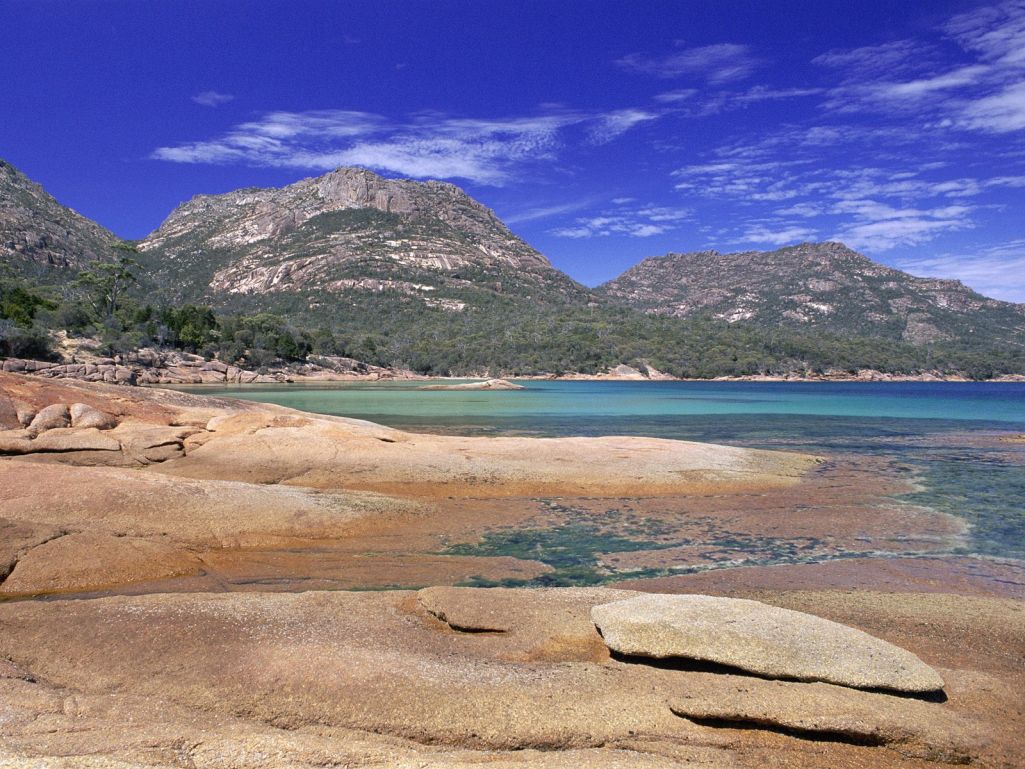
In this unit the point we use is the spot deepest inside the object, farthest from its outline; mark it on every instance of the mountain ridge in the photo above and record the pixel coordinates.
(39, 234)
(823, 285)
(347, 231)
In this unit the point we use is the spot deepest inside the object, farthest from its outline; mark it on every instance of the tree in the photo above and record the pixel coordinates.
(105, 284)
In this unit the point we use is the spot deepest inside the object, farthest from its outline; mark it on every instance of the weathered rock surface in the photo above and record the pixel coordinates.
(354, 668)
(49, 417)
(827, 712)
(86, 561)
(760, 639)
(84, 415)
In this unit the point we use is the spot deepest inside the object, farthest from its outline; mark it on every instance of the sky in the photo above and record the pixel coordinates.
(602, 132)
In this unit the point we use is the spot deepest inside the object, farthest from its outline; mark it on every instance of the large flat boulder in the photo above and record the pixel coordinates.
(760, 639)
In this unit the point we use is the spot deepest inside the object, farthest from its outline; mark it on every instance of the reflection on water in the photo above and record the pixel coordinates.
(951, 438)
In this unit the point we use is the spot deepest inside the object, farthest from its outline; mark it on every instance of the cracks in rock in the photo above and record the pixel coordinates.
(13, 564)
(753, 723)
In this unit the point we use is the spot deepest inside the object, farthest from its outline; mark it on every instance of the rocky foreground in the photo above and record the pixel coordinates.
(143, 532)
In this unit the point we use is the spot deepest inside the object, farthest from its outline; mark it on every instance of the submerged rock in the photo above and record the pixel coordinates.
(760, 639)
(489, 384)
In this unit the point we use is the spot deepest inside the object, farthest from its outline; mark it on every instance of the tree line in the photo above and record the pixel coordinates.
(494, 334)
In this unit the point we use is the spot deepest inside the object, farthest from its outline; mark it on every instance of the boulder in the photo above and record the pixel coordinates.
(71, 439)
(760, 639)
(49, 417)
(83, 415)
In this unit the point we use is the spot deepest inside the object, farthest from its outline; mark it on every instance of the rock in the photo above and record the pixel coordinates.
(489, 384)
(86, 560)
(9, 417)
(147, 443)
(72, 439)
(826, 712)
(124, 375)
(49, 417)
(25, 413)
(211, 376)
(15, 442)
(83, 415)
(760, 639)
(623, 371)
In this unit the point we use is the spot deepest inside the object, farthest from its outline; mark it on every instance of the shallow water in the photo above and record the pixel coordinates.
(951, 438)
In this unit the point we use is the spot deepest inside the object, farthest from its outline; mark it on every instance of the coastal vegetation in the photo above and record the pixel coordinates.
(111, 302)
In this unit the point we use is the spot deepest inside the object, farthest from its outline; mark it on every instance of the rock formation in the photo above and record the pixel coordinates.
(759, 639)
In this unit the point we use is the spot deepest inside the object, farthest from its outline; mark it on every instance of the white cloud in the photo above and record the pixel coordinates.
(637, 222)
(997, 271)
(212, 98)
(996, 33)
(485, 151)
(719, 63)
(884, 60)
(615, 124)
(762, 234)
(1001, 112)
(880, 227)
(546, 212)
(674, 97)
(985, 94)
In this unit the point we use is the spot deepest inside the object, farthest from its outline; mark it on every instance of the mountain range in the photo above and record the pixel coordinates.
(814, 285)
(423, 267)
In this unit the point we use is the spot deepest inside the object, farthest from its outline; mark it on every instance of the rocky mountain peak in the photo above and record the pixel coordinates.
(348, 231)
(38, 233)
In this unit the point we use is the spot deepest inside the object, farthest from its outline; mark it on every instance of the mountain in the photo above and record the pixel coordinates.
(342, 237)
(823, 286)
(419, 275)
(39, 236)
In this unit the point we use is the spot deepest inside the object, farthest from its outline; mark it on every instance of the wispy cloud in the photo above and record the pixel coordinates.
(212, 98)
(1001, 112)
(891, 59)
(864, 207)
(717, 64)
(879, 227)
(614, 124)
(996, 270)
(636, 222)
(984, 93)
(547, 212)
(768, 235)
(481, 150)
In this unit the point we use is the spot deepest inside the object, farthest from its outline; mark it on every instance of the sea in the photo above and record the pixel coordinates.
(963, 442)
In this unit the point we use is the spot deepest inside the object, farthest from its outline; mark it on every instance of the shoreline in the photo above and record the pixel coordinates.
(159, 368)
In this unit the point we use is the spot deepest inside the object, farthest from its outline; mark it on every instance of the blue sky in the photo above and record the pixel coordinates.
(602, 132)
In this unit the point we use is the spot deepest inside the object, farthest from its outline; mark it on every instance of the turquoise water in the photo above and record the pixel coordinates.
(948, 435)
